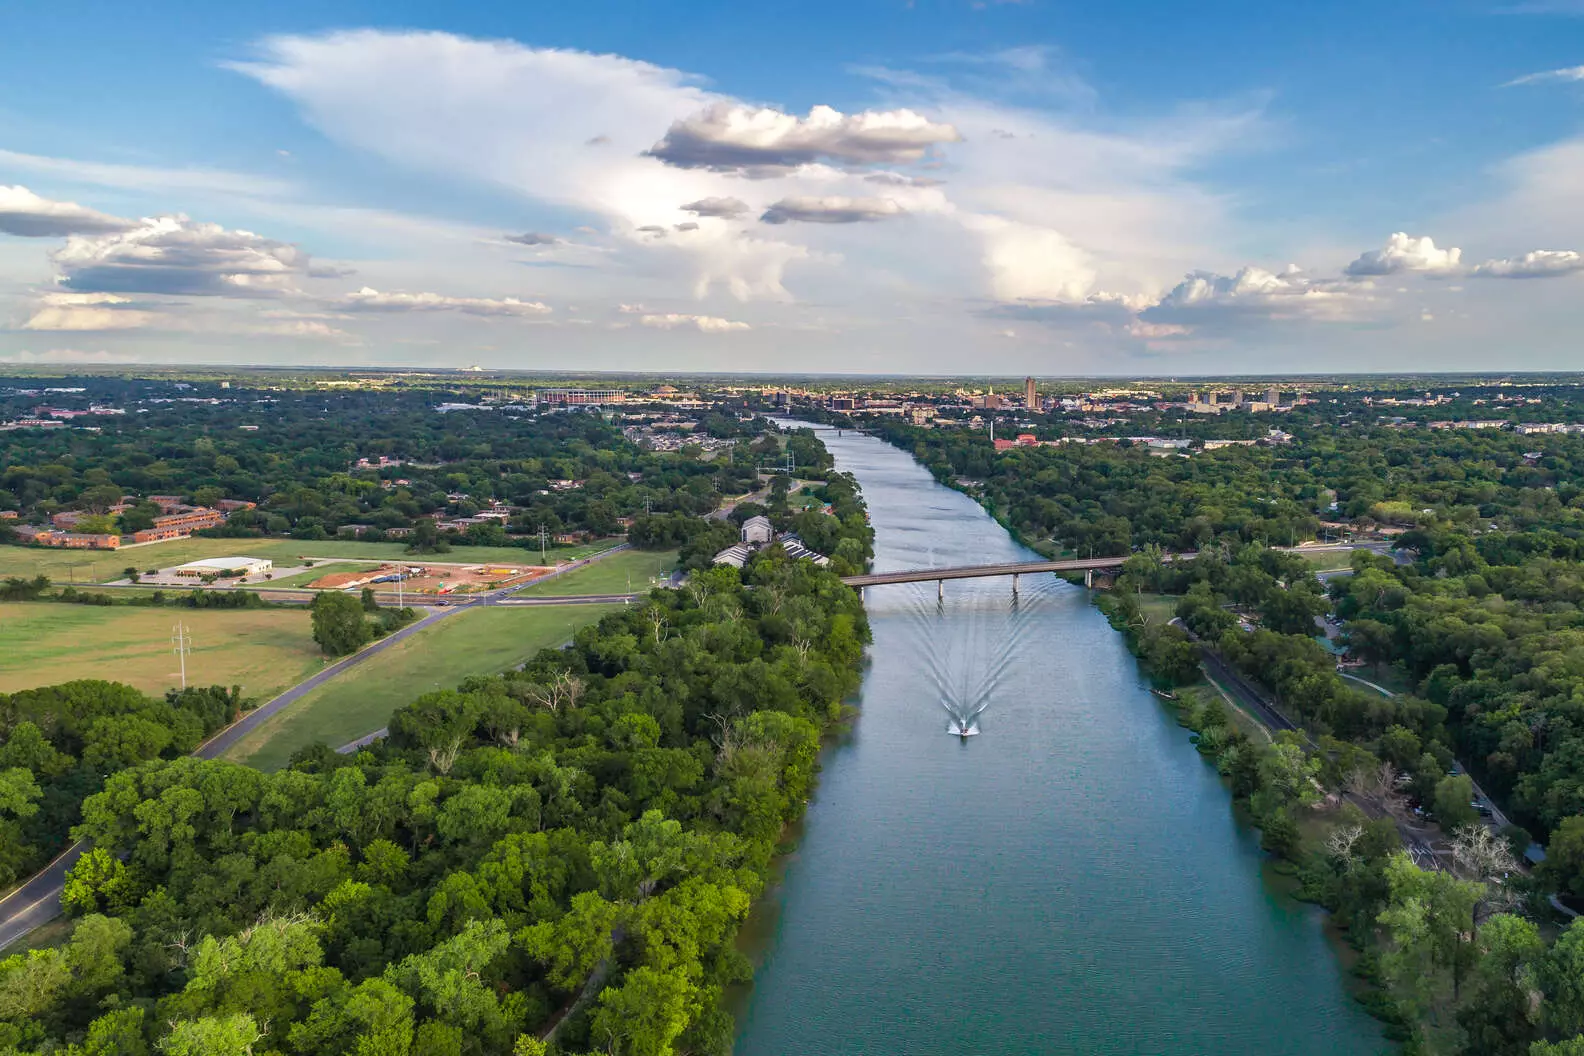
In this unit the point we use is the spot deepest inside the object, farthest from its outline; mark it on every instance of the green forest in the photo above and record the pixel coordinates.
(560, 855)
(295, 454)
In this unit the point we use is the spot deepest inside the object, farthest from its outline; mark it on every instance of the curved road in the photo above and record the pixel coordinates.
(37, 901)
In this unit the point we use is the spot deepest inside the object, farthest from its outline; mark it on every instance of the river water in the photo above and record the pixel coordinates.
(1072, 880)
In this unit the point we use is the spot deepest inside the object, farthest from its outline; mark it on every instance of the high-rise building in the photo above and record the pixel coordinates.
(1273, 397)
(1030, 394)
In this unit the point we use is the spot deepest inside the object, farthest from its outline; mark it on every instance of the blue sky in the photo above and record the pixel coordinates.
(1041, 186)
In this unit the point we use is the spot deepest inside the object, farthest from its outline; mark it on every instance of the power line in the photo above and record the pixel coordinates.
(181, 642)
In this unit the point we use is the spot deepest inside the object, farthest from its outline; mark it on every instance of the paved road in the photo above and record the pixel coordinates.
(37, 902)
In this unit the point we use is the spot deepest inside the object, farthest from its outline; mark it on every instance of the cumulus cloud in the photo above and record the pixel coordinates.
(300, 328)
(1256, 292)
(369, 299)
(24, 213)
(1537, 264)
(732, 137)
(726, 208)
(1405, 253)
(88, 311)
(1570, 73)
(832, 210)
(175, 255)
(1030, 263)
(329, 271)
(533, 238)
(708, 324)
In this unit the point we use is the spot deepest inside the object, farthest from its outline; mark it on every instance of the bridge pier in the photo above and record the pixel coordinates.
(1014, 584)
(1089, 578)
(940, 590)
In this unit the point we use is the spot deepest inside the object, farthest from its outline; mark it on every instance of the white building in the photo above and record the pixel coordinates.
(757, 530)
(224, 567)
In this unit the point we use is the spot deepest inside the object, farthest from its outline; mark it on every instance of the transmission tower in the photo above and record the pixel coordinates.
(181, 643)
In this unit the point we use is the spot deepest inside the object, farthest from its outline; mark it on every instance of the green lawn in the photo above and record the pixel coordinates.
(1327, 560)
(1160, 608)
(101, 566)
(481, 641)
(628, 571)
(262, 650)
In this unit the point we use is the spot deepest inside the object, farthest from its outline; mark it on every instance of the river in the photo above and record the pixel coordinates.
(1072, 880)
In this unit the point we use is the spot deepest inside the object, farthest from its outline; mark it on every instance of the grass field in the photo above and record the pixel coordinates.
(1160, 608)
(610, 575)
(302, 579)
(482, 641)
(262, 651)
(102, 566)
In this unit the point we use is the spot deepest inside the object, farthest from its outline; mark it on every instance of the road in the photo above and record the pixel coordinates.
(37, 901)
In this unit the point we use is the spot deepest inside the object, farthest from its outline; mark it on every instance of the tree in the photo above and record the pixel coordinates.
(233, 1035)
(1564, 861)
(426, 539)
(645, 1015)
(1453, 803)
(98, 879)
(339, 625)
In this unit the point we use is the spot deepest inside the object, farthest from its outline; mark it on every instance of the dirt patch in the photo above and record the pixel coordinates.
(435, 578)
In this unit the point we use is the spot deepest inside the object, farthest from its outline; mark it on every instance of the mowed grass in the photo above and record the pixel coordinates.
(302, 579)
(482, 641)
(262, 651)
(103, 566)
(627, 572)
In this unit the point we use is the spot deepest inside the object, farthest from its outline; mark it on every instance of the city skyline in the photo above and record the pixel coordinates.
(1019, 188)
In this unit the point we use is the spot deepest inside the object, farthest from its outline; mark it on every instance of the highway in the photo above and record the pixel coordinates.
(37, 901)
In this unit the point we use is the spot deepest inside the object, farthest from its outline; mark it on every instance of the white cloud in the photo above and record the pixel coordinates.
(1155, 331)
(728, 137)
(1029, 263)
(1405, 253)
(728, 208)
(1571, 73)
(24, 213)
(148, 178)
(302, 328)
(371, 300)
(175, 255)
(708, 324)
(832, 210)
(1257, 293)
(88, 311)
(69, 356)
(1536, 264)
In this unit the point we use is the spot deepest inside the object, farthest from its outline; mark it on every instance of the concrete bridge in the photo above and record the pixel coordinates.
(939, 576)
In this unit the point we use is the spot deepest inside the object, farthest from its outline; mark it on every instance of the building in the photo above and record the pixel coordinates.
(1030, 393)
(757, 530)
(580, 397)
(68, 540)
(179, 522)
(224, 568)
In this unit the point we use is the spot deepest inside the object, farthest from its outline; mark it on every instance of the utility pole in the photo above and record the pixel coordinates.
(542, 544)
(183, 645)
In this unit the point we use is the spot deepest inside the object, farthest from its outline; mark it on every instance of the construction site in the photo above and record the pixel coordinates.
(432, 578)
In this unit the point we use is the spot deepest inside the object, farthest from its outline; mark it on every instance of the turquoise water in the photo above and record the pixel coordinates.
(1072, 880)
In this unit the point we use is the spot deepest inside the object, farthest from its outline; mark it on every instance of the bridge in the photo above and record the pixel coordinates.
(939, 576)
